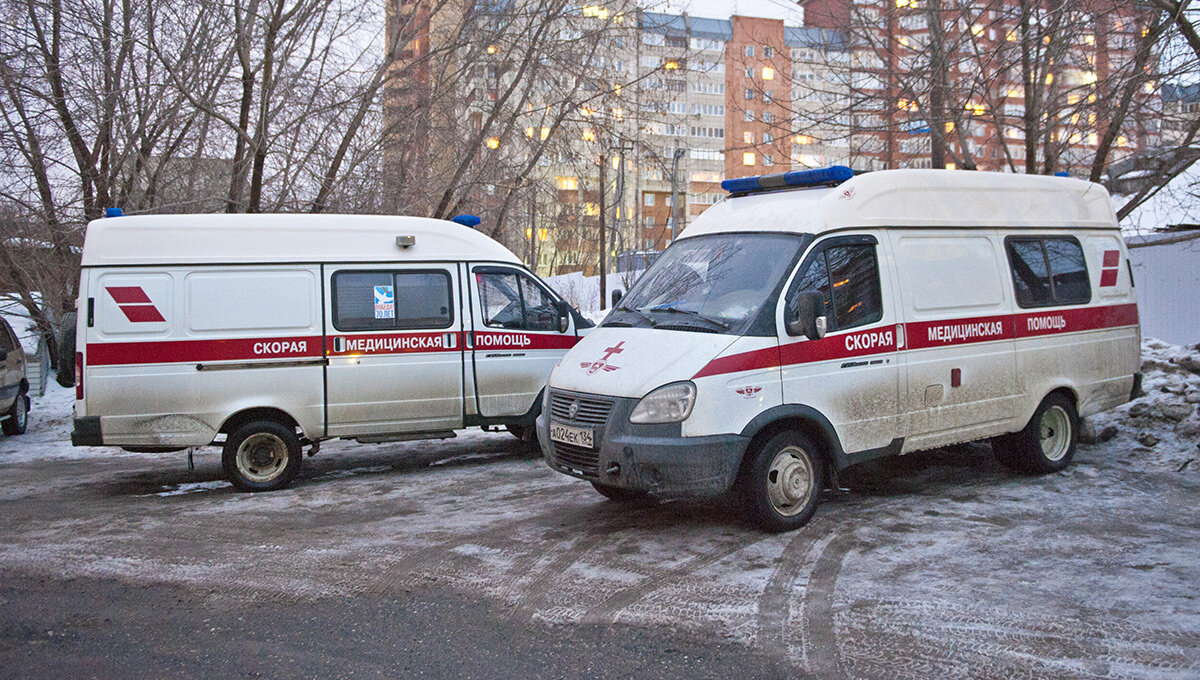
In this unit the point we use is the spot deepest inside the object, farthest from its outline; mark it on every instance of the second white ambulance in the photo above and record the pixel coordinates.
(278, 331)
(817, 319)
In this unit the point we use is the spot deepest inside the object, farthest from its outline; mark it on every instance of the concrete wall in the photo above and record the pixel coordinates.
(1167, 278)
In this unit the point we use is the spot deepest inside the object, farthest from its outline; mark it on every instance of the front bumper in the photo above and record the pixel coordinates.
(652, 458)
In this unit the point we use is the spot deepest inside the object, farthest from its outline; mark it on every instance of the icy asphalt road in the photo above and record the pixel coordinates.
(385, 560)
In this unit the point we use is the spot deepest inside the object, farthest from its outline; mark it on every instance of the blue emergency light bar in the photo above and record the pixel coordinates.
(113, 212)
(466, 220)
(834, 174)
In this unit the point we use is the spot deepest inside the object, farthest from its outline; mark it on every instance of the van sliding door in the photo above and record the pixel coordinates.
(395, 349)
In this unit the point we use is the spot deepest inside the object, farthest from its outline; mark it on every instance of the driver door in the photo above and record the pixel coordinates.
(515, 338)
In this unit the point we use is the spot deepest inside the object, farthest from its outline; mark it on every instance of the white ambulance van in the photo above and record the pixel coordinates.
(279, 331)
(816, 319)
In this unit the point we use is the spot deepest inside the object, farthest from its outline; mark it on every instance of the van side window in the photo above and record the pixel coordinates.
(511, 300)
(6, 338)
(383, 300)
(1048, 271)
(848, 279)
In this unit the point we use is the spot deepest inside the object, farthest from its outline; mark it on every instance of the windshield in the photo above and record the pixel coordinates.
(713, 284)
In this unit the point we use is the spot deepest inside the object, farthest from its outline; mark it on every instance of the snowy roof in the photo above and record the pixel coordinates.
(1183, 93)
(225, 238)
(1178, 203)
(925, 198)
(22, 325)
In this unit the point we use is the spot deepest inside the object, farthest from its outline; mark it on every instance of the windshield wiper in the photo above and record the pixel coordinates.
(623, 308)
(692, 313)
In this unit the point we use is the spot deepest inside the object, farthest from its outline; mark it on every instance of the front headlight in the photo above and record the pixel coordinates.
(668, 404)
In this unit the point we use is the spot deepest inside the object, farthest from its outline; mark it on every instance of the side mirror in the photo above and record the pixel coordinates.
(564, 316)
(801, 316)
(616, 297)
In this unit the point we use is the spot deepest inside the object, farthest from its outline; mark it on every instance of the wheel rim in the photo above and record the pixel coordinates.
(262, 457)
(1055, 433)
(790, 481)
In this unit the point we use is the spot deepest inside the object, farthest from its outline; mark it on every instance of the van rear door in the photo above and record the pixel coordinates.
(394, 347)
(516, 338)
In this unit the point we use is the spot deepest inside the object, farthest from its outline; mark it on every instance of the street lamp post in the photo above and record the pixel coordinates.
(675, 190)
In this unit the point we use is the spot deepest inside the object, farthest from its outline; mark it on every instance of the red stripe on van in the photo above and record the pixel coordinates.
(519, 340)
(395, 343)
(128, 295)
(926, 334)
(141, 313)
(180, 351)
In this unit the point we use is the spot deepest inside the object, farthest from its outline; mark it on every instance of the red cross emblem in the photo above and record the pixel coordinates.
(593, 366)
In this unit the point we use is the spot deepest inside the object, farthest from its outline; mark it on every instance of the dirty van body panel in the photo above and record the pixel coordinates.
(395, 348)
(515, 339)
(960, 365)
(167, 346)
(852, 375)
(1087, 343)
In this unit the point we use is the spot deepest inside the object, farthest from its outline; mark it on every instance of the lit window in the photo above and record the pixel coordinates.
(596, 11)
(671, 65)
(567, 183)
(949, 127)
(491, 49)
(493, 143)
(545, 132)
(591, 209)
(951, 166)
(768, 73)
(803, 139)
(529, 132)
(589, 135)
(748, 158)
(748, 137)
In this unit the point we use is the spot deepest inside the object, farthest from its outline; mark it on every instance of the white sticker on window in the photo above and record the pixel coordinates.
(385, 303)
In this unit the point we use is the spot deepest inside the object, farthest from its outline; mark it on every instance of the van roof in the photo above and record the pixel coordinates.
(224, 238)
(916, 198)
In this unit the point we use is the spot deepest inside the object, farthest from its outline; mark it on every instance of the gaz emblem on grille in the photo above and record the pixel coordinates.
(573, 410)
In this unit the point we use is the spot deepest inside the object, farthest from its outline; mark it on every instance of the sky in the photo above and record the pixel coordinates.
(722, 9)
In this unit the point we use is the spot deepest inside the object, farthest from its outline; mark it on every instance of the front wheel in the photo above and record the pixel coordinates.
(781, 481)
(18, 416)
(1047, 444)
(262, 456)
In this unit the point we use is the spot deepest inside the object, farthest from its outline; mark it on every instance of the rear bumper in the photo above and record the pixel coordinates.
(652, 458)
(87, 432)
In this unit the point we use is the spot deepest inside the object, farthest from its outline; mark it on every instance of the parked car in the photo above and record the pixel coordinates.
(14, 386)
(276, 332)
(816, 319)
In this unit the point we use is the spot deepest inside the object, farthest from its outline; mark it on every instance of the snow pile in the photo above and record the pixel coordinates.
(1163, 426)
(583, 292)
(1176, 203)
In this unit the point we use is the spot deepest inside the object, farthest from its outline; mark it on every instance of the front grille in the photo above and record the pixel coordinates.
(593, 411)
(586, 461)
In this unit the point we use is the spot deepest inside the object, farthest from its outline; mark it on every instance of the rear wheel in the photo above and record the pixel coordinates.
(616, 493)
(1047, 444)
(262, 456)
(781, 481)
(18, 416)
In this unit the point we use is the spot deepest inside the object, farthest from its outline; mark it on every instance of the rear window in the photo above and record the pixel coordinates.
(1048, 271)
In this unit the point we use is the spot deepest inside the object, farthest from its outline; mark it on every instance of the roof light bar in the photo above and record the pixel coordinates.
(834, 174)
(466, 220)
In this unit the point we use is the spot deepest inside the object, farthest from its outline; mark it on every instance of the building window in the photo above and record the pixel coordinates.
(768, 96)
(768, 73)
(568, 183)
(748, 137)
(749, 71)
(749, 94)
(749, 50)
(767, 159)
(648, 199)
(768, 117)
(768, 51)
(767, 138)
(748, 158)
(748, 115)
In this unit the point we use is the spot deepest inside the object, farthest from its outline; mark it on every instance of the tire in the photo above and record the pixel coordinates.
(616, 493)
(1047, 444)
(517, 431)
(780, 482)
(18, 416)
(262, 455)
(66, 352)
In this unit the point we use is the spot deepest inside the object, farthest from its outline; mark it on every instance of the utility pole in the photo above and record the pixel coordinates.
(675, 191)
(603, 247)
(533, 229)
